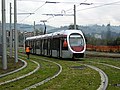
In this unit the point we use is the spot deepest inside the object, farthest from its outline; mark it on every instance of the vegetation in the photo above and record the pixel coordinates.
(83, 78)
(73, 78)
(70, 78)
(72, 27)
(113, 74)
(98, 41)
(47, 69)
(11, 65)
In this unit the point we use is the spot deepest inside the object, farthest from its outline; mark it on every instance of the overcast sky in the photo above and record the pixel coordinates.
(100, 12)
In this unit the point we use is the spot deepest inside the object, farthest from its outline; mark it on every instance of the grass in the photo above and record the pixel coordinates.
(112, 61)
(47, 70)
(112, 73)
(70, 78)
(11, 65)
(20, 73)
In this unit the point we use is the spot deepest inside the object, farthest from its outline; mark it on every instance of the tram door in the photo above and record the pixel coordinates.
(60, 49)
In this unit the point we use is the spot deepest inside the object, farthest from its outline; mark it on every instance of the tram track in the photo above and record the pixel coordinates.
(103, 85)
(24, 66)
(47, 79)
(112, 66)
(104, 77)
(23, 76)
(41, 81)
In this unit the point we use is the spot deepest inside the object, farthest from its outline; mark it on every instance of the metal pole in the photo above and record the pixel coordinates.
(45, 28)
(10, 32)
(16, 33)
(74, 16)
(44, 32)
(24, 40)
(4, 56)
(34, 29)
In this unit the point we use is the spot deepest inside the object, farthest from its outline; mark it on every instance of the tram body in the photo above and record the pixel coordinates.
(63, 44)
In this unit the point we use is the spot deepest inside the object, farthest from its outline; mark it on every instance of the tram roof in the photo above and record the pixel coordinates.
(61, 33)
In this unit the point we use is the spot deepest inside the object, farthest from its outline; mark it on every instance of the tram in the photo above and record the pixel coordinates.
(63, 44)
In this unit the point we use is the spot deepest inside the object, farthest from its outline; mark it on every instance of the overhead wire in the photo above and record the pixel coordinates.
(66, 10)
(99, 6)
(33, 12)
(44, 4)
(70, 8)
(32, 0)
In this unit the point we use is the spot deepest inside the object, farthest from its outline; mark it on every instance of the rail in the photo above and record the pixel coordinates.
(47, 79)
(104, 78)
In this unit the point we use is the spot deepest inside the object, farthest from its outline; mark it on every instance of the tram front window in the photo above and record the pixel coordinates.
(76, 42)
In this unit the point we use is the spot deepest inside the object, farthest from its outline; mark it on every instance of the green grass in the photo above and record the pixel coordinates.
(73, 79)
(20, 73)
(112, 73)
(70, 78)
(112, 61)
(47, 70)
(11, 65)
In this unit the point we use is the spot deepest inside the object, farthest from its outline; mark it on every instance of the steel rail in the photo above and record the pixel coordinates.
(106, 65)
(104, 77)
(47, 79)
(23, 76)
(110, 65)
(25, 64)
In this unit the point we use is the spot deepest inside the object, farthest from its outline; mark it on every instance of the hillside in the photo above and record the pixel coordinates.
(91, 29)
(86, 29)
(28, 28)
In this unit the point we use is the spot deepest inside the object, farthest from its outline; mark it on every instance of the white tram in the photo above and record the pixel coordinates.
(63, 44)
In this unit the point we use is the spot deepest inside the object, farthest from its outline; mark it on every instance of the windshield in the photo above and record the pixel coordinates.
(76, 40)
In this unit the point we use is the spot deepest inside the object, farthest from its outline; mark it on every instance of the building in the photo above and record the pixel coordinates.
(98, 36)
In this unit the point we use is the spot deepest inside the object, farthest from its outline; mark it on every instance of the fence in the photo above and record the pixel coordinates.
(103, 48)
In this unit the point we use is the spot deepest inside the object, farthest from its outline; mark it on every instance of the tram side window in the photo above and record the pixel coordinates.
(37, 44)
(45, 44)
(55, 44)
(40, 44)
(32, 44)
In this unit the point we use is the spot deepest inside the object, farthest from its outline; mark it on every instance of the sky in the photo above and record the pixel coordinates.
(99, 12)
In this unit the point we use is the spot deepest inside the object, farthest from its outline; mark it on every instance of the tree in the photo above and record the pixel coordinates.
(38, 32)
(72, 27)
(117, 41)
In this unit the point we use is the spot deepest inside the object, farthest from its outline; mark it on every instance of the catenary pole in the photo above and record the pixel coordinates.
(74, 16)
(44, 26)
(34, 29)
(16, 33)
(4, 56)
(10, 31)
